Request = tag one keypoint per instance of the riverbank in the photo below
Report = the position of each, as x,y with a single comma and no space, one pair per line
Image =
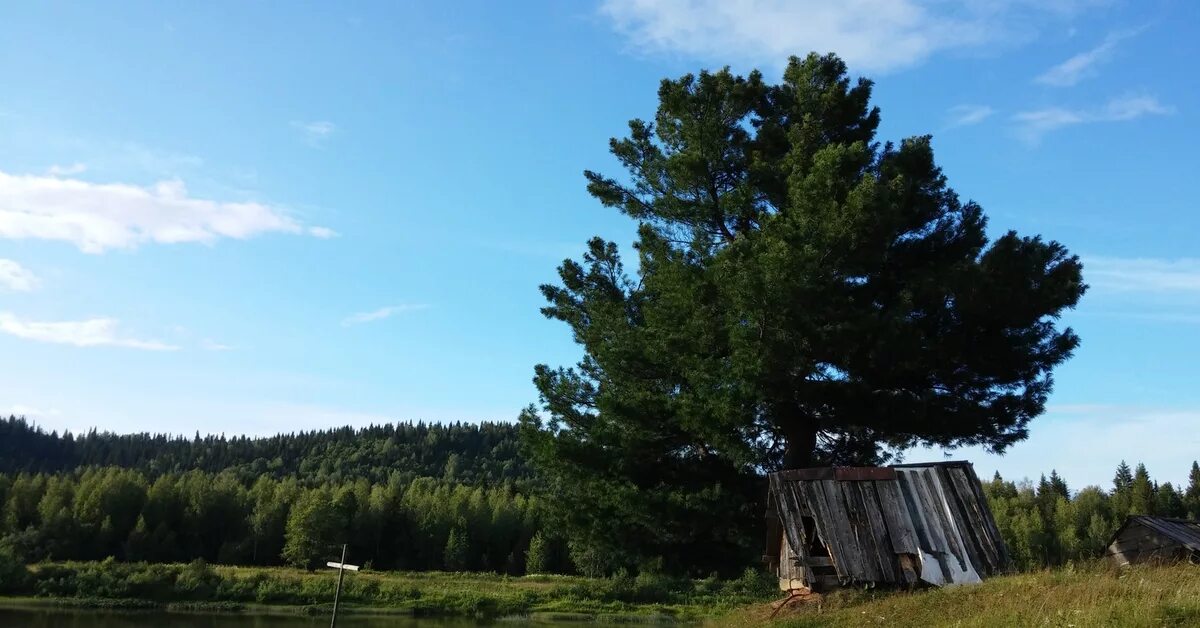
197,587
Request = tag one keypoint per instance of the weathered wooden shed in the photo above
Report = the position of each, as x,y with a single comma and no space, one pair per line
1144,538
900,525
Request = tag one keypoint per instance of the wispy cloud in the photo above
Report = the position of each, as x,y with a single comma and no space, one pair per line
94,332
322,232
967,115
212,345
66,171
137,157
1154,290
98,217
871,35
16,277
1172,318
1085,64
1143,274
30,412
381,313
1032,125
315,132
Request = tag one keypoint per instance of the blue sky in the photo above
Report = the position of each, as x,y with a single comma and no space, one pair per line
260,217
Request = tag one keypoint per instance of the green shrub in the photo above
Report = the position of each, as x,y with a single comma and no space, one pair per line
240,589
152,582
657,587
277,590
56,581
14,576
398,592
106,579
197,581
588,560
753,584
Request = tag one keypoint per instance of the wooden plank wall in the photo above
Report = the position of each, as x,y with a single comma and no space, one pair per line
890,526
1137,542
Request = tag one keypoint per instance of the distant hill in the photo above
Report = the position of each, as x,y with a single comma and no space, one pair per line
484,453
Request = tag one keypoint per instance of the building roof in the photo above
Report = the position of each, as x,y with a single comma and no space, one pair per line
899,524
1183,531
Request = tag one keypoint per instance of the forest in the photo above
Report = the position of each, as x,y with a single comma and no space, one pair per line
452,519
469,453
447,498
1047,524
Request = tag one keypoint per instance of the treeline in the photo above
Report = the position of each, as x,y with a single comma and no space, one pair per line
421,524
1047,524
405,496
484,453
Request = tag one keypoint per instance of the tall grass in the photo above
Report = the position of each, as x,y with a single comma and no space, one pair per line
1081,596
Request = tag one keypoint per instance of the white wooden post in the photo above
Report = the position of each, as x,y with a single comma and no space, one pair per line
337,593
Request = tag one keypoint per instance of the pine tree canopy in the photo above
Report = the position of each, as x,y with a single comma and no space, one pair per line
804,294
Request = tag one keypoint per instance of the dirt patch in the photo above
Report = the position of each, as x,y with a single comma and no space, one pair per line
799,601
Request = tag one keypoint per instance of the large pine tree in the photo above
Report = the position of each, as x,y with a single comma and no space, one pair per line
804,295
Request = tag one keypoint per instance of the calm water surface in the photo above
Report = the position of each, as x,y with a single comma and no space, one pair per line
64,618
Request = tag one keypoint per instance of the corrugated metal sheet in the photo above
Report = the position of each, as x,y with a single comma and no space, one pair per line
892,525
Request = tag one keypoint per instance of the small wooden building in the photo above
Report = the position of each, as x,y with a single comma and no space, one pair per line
900,525
1144,538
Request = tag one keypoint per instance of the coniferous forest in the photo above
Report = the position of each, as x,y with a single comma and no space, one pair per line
469,453
405,497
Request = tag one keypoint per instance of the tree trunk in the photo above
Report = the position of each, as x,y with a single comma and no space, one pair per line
801,435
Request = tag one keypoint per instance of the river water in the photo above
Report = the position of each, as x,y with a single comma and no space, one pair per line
73,618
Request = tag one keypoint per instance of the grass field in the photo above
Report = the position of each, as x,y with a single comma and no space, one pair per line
1093,595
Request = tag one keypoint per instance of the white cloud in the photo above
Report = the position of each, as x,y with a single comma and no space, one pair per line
66,171
15,277
871,35
381,313
1143,274
1084,64
315,132
97,217
212,345
1032,125
967,115
322,232
94,332
1131,107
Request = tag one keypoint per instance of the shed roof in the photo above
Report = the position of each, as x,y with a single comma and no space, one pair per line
880,523
1183,531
